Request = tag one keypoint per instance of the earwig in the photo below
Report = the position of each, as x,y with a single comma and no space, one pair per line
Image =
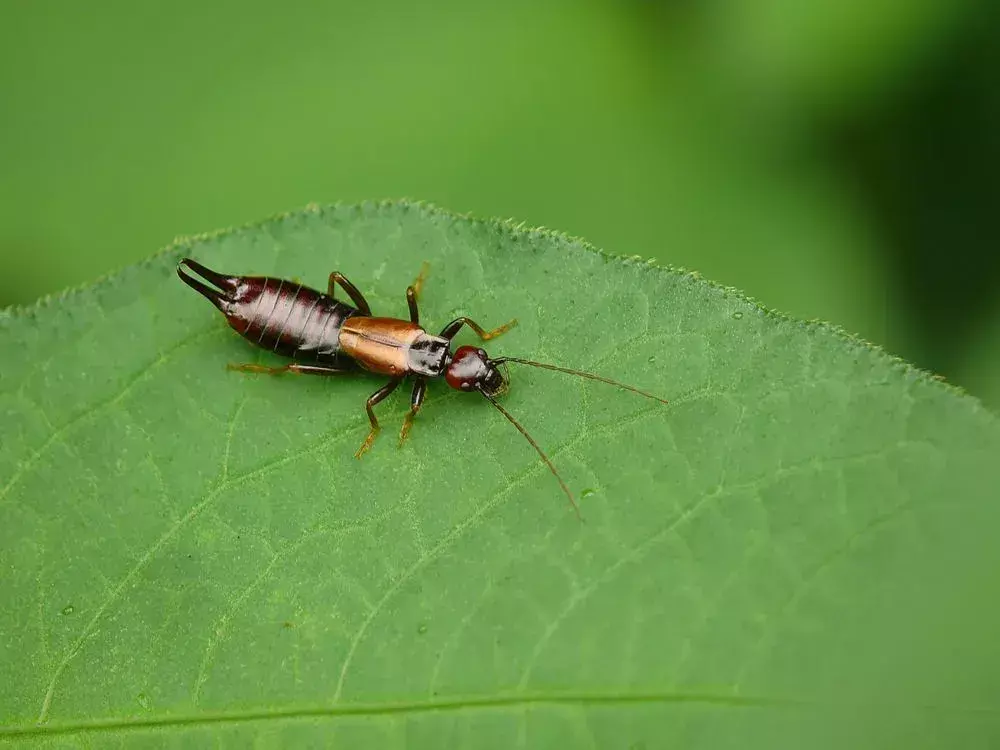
326,336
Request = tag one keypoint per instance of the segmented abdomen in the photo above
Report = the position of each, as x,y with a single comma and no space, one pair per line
289,319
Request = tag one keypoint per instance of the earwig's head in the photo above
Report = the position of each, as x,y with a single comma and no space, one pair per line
471,369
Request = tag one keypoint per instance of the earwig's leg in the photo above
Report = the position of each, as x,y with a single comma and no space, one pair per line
293,368
418,283
411,301
352,291
413,293
416,401
449,331
380,394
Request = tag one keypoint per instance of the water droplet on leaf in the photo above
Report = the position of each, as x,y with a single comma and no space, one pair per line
422,628
737,315
589,492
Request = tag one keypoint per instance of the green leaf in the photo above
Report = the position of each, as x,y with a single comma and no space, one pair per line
798,551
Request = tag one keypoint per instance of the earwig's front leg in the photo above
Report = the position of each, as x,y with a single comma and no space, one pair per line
352,291
416,401
451,330
380,394
293,368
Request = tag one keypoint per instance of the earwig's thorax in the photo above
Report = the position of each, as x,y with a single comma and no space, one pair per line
428,355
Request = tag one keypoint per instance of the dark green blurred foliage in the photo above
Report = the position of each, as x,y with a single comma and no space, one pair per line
833,159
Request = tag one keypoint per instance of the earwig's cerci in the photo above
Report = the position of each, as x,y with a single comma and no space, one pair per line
326,336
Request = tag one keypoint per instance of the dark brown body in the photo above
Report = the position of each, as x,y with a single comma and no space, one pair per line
295,321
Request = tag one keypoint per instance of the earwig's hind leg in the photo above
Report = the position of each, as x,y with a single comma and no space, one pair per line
416,401
413,293
380,394
352,291
293,368
451,330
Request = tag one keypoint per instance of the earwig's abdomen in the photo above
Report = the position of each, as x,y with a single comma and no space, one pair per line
289,319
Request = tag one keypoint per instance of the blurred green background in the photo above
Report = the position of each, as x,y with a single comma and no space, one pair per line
835,159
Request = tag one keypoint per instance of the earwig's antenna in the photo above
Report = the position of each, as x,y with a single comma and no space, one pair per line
552,468
589,375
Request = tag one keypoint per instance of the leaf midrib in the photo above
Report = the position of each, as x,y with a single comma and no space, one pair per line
470,703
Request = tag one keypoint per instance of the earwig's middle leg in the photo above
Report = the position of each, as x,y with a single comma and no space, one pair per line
413,293
411,301
380,394
451,330
418,283
416,401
